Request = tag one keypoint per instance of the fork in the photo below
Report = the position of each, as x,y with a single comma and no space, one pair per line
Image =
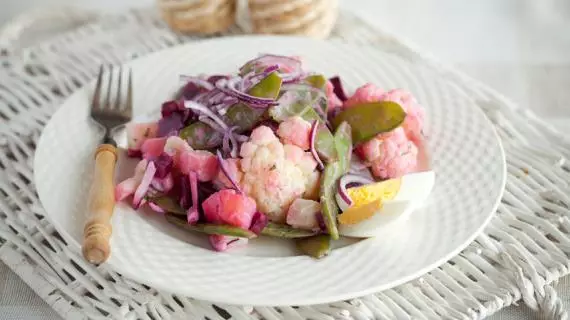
109,115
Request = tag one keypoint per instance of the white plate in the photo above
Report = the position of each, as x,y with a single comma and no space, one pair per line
466,156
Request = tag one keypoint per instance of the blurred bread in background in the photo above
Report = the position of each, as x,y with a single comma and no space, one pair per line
313,18
198,16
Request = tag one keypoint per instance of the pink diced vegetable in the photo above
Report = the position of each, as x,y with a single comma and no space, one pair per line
229,207
302,214
204,163
152,148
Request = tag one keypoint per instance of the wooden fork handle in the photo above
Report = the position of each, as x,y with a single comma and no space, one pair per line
97,231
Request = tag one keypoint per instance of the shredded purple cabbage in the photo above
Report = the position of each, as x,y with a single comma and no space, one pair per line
185,196
206,189
190,90
134,153
164,163
214,78
176,107
321,221
170,125
338,89
258,222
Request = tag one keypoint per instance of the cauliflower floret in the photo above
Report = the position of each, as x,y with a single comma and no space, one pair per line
390,154
275,189
366,93
312,185
262,151
415,113
275,174
296,131
307,163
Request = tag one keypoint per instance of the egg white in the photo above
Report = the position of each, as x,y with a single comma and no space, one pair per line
415,188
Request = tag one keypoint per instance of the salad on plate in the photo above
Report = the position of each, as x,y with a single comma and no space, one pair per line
275,150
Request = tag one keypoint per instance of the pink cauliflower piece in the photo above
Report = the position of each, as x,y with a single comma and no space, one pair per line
234,170
390,154
307,163
262,150
204,163
269,177
415,113
229,207
296,131
366,93
302,214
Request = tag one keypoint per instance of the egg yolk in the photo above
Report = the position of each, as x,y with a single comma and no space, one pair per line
356,214
367,200
385,190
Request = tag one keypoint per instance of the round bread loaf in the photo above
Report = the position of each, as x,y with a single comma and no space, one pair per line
198,16
314,18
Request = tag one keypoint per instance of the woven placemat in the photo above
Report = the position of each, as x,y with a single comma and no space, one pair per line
524,249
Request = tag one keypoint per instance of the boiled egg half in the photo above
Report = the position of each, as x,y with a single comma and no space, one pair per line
377,204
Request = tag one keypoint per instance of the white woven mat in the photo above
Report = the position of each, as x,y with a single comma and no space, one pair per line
524,249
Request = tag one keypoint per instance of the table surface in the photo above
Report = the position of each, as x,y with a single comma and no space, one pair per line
518,47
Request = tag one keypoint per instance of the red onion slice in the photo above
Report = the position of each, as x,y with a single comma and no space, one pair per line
163,184
289,63
224,169
343,194
192,215
154,207
143,187
290,78
312,138
230,88
226,144
198,107
230,138
348,179
271,68
233,151
212,123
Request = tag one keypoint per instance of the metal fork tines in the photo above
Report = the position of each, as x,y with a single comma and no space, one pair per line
114,108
